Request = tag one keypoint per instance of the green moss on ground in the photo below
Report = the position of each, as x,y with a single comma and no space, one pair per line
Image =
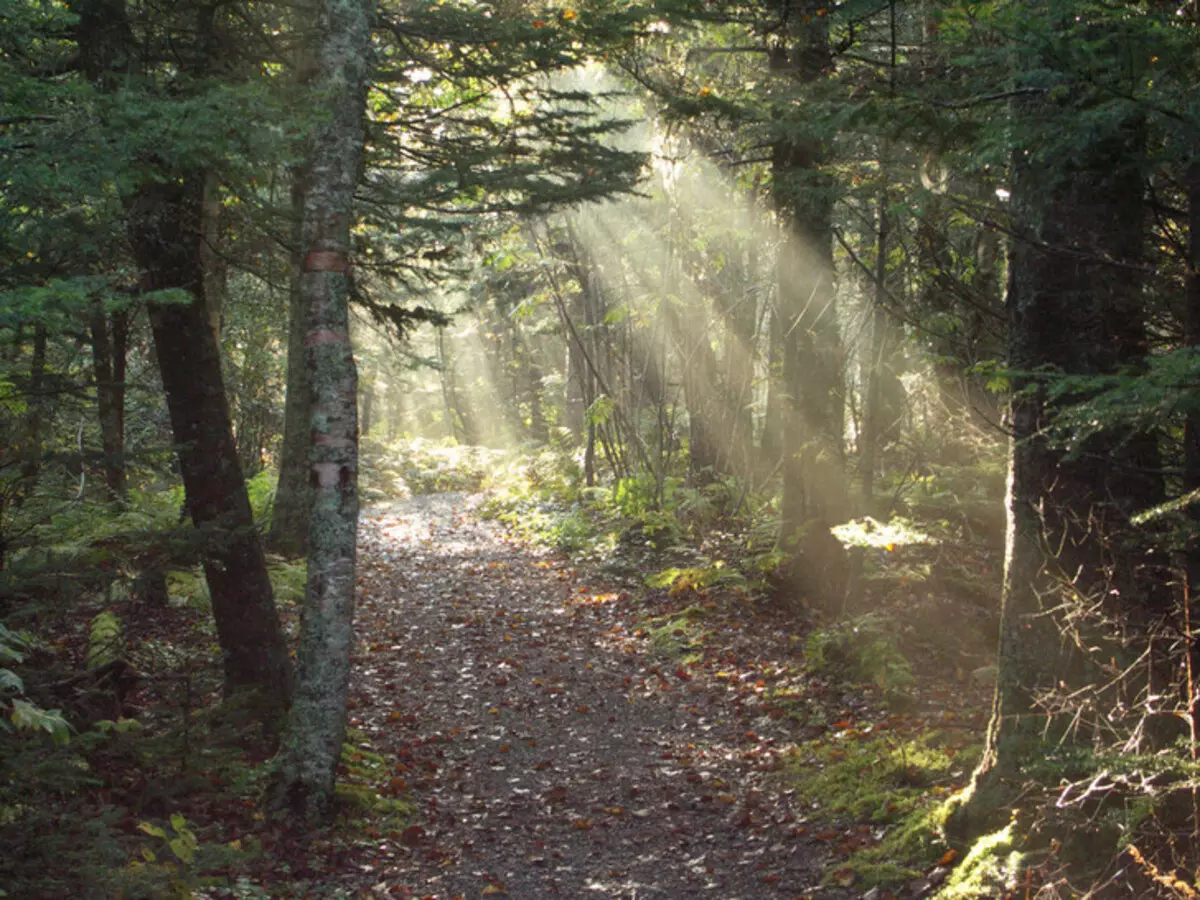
899,783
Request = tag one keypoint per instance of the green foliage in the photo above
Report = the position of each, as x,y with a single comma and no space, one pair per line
993,866
1156,397
261,489
369,786
696,578
189,588
419,466
26,716
866,647
678,633
288,579
105,639
23,716
181,842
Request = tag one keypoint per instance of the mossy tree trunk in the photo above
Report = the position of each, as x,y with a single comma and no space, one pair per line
316,727
1073,306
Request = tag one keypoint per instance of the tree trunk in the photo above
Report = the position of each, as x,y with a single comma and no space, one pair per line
35,423
110,397
1191,337
814,492
739,313
216,271
1073,305
293,496
873,373
164,233
317,724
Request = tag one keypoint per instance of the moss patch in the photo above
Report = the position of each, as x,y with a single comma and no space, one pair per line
991,867
899,783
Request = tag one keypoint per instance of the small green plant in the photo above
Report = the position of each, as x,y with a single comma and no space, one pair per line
678,633
261,489
182,842
178,847
23,716
288,579
866,647
696,579
369,785
189,588
900,783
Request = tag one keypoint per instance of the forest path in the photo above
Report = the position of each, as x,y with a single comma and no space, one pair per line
552,750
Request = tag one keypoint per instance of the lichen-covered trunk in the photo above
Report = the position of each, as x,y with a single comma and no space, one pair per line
165,236
316,727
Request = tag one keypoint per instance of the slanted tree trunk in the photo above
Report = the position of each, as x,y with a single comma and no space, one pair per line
165,223
165,235
317,725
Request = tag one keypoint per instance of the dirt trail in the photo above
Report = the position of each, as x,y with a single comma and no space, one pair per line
552,751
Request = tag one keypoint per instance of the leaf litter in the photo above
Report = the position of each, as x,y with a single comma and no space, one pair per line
551,746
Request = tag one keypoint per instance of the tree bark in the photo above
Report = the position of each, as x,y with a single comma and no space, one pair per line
1191,337
1073,305
814,492
165,235
874,370
108,361
293,495
317,724
35,423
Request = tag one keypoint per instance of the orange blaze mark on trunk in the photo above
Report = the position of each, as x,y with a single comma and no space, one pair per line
326,336
326,261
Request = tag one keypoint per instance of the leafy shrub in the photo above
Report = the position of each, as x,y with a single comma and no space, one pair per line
20,714
696,578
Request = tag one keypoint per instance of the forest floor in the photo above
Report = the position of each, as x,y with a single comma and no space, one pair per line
527,727
565,737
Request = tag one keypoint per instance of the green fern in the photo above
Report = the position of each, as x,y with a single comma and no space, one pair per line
105,639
